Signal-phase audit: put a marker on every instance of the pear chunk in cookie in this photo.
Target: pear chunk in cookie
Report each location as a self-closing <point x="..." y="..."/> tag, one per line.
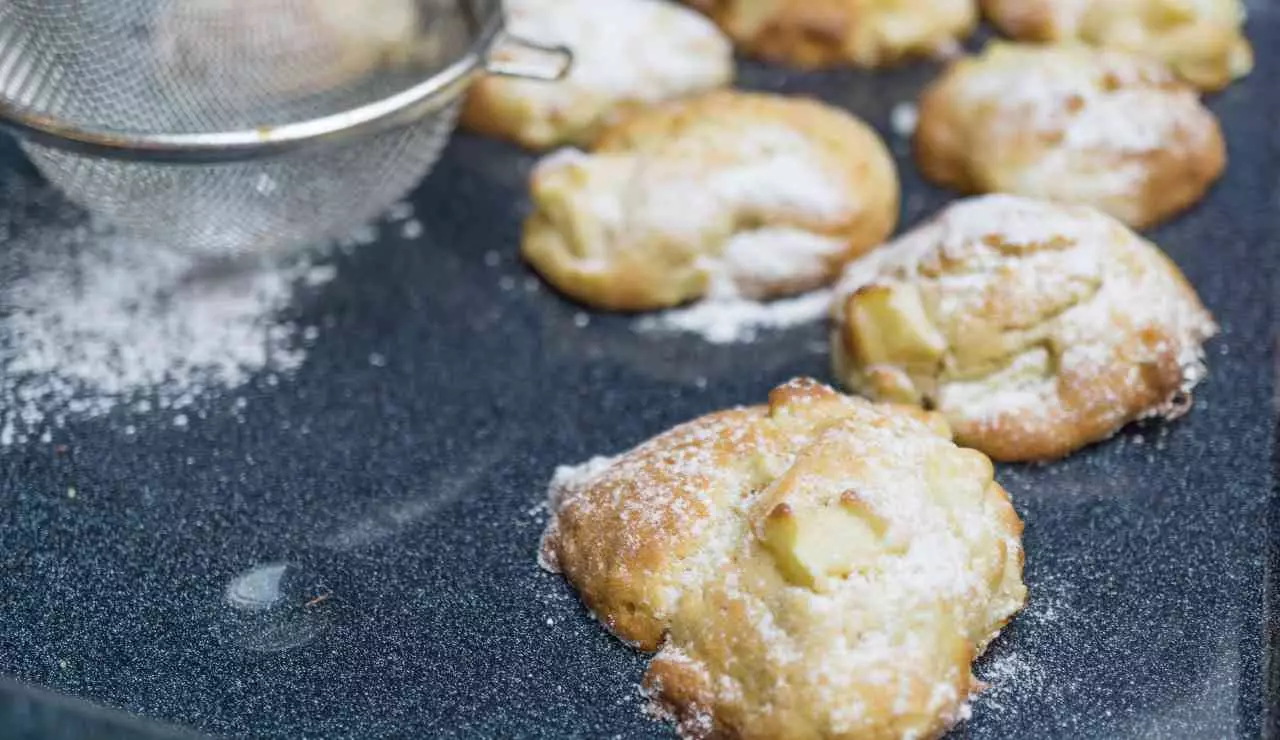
<point x="818" y="566"/>
<point x="727" y="194"/>
<point x="1034" y="328"/>
<point x="1072" y="124"/>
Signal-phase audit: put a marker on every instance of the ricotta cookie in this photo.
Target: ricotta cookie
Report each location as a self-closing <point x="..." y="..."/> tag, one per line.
<point x="817" y="567"/>
<point x="1201" y="40"/>
<point x="824" y="33"/>
<point x="627" y="54"/>
<point x="1073" y="124"/>
<point x="727" y="194"/>
<point x="1034" y="328"/>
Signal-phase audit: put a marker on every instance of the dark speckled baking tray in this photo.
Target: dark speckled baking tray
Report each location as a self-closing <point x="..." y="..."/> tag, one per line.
<point x="408" y="493"/>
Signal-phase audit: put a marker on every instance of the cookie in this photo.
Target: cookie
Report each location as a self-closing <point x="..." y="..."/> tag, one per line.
<point x="628" y="54"/>
<point x="1073" y="124"/>
<point x="815" y="567"/>
<point x="1201" y="40"/>
<point x="824" y="33"/>
<point x="726" y="194"/>
<point x="1034" y="328"/>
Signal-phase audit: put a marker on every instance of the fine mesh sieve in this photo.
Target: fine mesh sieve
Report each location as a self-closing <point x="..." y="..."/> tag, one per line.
<point x="230" y="125"/>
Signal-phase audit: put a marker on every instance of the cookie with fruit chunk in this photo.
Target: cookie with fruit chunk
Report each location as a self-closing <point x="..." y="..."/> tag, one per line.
<point x="824" y="33"/>
<point x="818" y="566"/>
<point x="627" y="54"/>
<point x="1034" y="328"/>
<point x="727" y="194"/>
<point x="1201" y="40"/>
<point x="1073" y="124"/>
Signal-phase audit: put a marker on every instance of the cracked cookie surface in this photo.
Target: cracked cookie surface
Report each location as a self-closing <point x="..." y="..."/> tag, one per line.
<point x="1201" y="40"/>
<point x="1034" y="328"/>
<point x="825" y="33"/>
<point x="1069" y="123"/>
<point x="726" y="194"/>
<point x="628" y="54"/>
<point x="817" y="567"/>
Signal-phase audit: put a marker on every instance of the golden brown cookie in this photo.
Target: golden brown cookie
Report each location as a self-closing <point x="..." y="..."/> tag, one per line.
<point x="817" y="567"/>
<point x="628" y="54"/>
<point x="730" y="193"/>
<point x="1073" y="124"/>
<point x="1202" y="40"/>
<point x="823" y="33"/>
<point x="1034" y="328"/>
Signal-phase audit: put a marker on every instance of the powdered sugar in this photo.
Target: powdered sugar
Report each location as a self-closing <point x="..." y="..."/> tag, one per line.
<point x="1060" y="289"/>
<point x="93" y="322"/>
<point x="903" y="119"/>
<point x="732" y="320"/>
<point x="611" y="202"/>
<point x="1103" y="103"/>
<point x="772" y="256"/>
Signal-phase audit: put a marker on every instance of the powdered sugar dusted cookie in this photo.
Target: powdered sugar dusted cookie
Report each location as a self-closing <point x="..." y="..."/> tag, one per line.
<point x="627" y="54"/>
<point x="726" y="194"/>
<point x="1034" y="328"/>
<point x="821" y="33"/>
<point x="1201" y="40"/>
<point x="1070" y="123"/>
<point x="817" y="567"/>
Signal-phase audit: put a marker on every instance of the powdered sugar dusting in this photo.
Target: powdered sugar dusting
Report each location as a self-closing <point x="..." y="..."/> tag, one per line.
<point x="92" y="322"/>
<point x="1065" y="288"/>
<point x="694" y="194"/>
<point x="1075" y="125"/>
<point x="645" y="50"/>
<point x="675" y="523"/>
<point x="733" y="320"/>
<point x="903" y="119"/>
<point x="1095" y="98"/>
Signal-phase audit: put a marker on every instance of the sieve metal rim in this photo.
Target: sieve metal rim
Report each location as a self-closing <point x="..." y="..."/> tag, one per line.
<point x="428" y="97"/>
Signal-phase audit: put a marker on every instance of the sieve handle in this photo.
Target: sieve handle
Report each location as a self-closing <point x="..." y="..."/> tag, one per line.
<point x="514" y="56"/>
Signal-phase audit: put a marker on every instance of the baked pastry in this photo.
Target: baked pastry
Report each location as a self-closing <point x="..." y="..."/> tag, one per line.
<point x="1070" y="123"/>
<point x="823" y="33"/>
<point x="819" y="567"/>
<point x="729" y="193"/>
<point x="1202" y="40"/>
<point x="1034" y="328"/>
<point x="628" y="54"/>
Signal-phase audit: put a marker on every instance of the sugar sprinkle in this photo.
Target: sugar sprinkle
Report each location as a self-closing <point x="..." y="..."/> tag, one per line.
<point x="93" y="322"/>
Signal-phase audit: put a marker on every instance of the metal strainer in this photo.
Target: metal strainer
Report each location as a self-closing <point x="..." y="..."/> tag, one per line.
<point x="232" y="125"/>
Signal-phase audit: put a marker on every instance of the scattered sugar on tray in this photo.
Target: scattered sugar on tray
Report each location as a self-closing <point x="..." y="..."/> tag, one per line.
<point x="92" y="322"/>
<point x="401" y="211"/>
<point x="1007" y="676"/>
<point x="411" y="229"/>
<point x="903" y="119"/>
<point x="734" y="320"/>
